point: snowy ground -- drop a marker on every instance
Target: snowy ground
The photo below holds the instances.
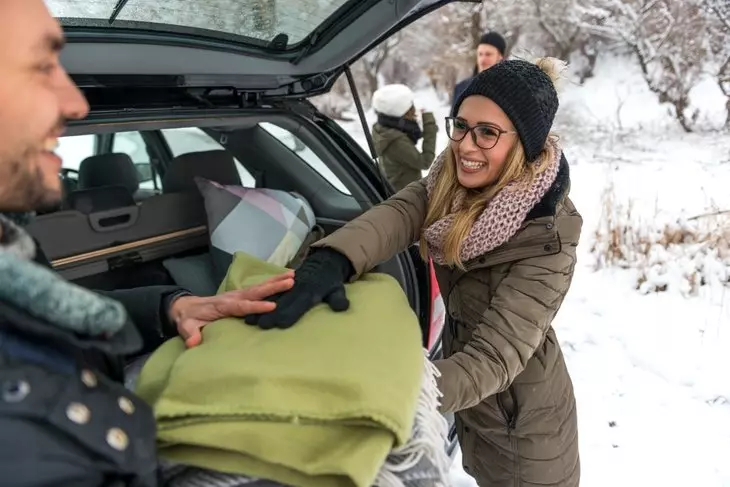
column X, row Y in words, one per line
column 651, row 372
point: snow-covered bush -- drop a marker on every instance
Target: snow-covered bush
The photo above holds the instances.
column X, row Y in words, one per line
column 679, row 256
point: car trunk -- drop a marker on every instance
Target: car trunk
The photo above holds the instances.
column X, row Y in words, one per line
column 125, row 247
column 148, row 64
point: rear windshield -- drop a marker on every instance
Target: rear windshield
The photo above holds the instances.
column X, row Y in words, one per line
column 230, row 19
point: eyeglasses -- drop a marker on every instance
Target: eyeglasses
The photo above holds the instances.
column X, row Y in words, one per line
column 484, row 136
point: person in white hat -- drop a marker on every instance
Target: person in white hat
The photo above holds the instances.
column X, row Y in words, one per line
column 397, row 132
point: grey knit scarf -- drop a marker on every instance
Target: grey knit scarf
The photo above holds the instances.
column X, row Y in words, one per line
column 45, row 295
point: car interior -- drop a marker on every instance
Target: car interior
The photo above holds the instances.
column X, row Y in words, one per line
column 132, row 214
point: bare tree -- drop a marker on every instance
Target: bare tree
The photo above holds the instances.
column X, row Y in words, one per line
column 442, row 54
column 559, row 28
column 446, row 54
column 560, row 23
column 721, row 9
column 337, row 102
column 663, row 36
column 372, row 63
column 462, row 25
column 513, row 20
column 723, row 81
column 719, row 33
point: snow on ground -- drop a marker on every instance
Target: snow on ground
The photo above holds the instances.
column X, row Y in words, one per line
column 651, row 372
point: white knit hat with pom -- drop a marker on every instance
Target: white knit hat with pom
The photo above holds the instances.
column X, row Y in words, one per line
column 393, row 100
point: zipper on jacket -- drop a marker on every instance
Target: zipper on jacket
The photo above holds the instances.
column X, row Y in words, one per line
column 510, row 418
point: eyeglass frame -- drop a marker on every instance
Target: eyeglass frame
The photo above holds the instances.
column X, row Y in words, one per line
column 470, row 129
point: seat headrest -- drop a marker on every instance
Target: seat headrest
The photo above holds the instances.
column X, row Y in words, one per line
column 114, row 169
column 103, row 198
column 214, row 165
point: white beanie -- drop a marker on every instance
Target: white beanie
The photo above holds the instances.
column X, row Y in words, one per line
column 393, row 100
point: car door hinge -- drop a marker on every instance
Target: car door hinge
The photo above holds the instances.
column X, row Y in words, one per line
column 250, row 99
column 303, row 108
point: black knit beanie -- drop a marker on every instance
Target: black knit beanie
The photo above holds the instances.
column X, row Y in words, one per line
column 494, row 39
column 525, row 93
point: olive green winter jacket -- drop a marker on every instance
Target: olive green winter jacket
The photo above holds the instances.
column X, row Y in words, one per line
column 399, row 156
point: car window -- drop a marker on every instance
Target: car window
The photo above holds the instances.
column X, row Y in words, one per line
column 186, row 140
column 74, row 149
column 306, row 154
column 132, row 144
column 239, row 20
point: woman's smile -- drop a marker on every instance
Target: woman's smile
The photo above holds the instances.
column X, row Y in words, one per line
column 472, row 166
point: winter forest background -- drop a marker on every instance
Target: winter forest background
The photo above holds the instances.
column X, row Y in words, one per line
column 650, row 72
column 676, row 45
column 645, row 123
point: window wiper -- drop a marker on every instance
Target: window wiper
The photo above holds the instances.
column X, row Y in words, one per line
column 311, row 42
column 117, row 9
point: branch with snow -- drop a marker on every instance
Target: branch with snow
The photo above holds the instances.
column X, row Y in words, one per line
column 721, row 8
column 663, row 36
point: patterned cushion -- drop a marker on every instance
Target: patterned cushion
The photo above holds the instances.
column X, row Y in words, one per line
column 266, row 223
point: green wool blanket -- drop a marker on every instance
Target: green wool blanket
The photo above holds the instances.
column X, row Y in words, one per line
column 319, row 404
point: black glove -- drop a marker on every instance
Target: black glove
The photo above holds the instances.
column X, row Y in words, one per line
column 320, row 278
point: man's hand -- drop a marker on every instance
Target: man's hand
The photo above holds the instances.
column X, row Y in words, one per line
column 190, row 313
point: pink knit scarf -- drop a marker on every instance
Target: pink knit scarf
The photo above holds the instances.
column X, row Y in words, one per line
column 501, row 218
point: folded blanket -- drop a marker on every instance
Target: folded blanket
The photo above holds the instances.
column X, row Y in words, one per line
column 421, row 462
column 320, row 404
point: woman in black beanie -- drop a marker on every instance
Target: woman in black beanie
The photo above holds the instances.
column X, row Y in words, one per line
column 495, row 217
column 490, row 51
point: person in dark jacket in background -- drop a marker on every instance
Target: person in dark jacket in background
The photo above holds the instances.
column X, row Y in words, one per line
column 397, row 132
column 490, row 51
column 65, row 416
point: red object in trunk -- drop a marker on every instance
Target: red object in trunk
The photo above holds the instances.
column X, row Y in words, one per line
column 438, row 311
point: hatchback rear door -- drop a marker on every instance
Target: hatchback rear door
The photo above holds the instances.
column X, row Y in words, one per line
column 278, row 48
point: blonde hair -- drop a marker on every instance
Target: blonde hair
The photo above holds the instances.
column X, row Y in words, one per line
column 516, row 168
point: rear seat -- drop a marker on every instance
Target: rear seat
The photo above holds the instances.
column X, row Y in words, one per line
column 215, row 165
column 98, row 236
column 106, row 182
column 103, row 198
column 103, row 227
column 195, row 272
column 112, row 169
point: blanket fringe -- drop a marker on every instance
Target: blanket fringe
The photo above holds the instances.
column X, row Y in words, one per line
column 430, row 434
